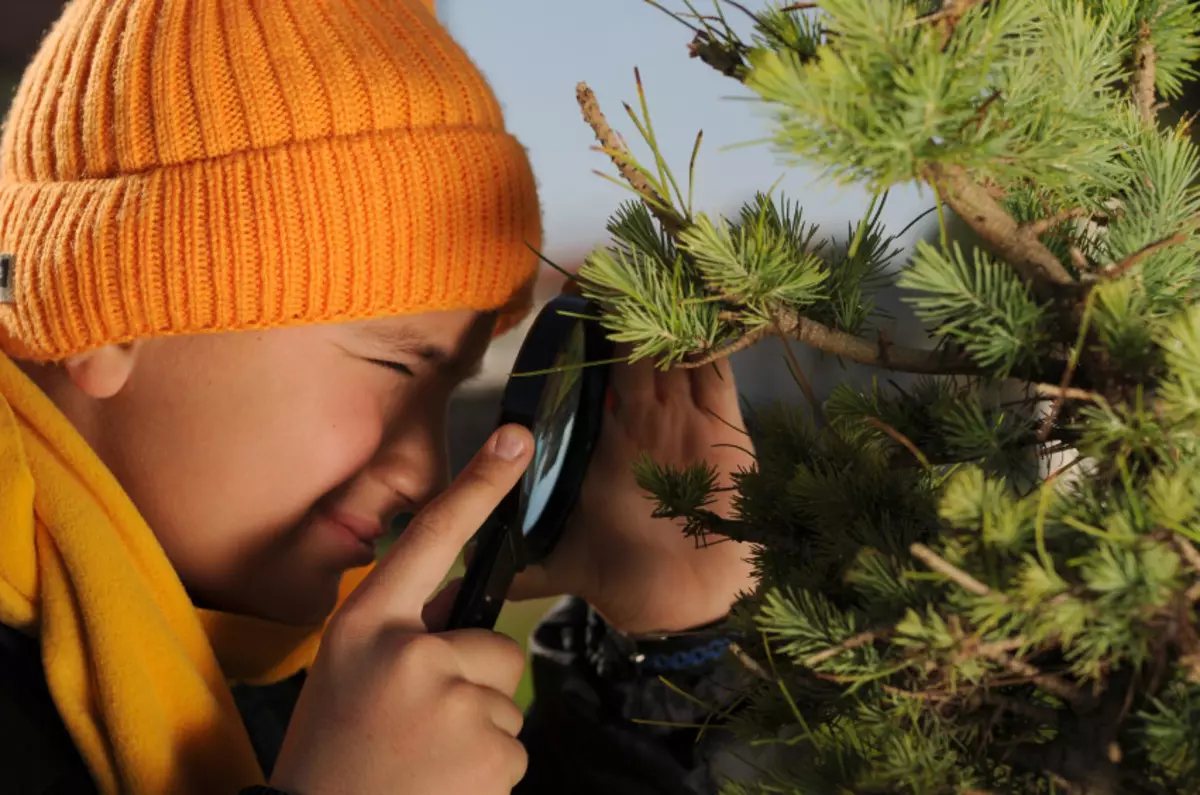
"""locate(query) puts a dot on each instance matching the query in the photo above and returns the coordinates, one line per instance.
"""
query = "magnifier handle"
(487, 580)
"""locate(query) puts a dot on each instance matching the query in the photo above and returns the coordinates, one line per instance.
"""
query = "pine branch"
(1066, 393)
(860, 639)
(1017, 245)
(900, 438)
(848, 346)
(611, 142)
(1041, 227)
(1123, 267)
(1051, 683)
(1144, 75)
(798, 372)
(942, 566)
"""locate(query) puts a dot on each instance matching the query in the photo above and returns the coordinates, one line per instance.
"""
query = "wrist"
(618, 655)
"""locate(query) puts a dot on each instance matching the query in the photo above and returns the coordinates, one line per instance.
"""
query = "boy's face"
(262, 460)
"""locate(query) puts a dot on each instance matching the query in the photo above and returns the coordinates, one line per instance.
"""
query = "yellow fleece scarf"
(138, 673)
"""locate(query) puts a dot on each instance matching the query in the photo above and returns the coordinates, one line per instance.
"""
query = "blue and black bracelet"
(616, 655)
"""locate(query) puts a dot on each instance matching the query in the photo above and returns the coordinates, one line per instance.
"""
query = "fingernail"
(508, 443)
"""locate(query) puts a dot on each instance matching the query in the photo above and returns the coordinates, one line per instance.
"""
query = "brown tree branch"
(849, 346)
(1044, 225)
(611, 141)
(805, 385)
(1051, 683)
(1066, 393)
(741, 344)
(900, 438)
(1124, 265)
(1017, 245)
(1187, 550)
(860, 639)
(1144, 74)
(949, 570)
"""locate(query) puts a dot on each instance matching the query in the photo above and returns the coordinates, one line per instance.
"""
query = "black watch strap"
(617, 656)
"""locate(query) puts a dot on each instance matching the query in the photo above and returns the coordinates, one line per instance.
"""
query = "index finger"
(420, 558)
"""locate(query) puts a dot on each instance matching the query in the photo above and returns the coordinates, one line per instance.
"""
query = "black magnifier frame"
(502, 548)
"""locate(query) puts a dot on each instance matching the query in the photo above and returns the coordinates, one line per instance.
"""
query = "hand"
(390, 708)
(643, 574)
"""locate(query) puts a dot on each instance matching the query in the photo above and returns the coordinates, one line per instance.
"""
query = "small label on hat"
(6, 279)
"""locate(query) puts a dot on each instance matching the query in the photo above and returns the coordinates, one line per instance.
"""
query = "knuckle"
(517, 759)
(502, 758)
(424, 653)
(461, 702)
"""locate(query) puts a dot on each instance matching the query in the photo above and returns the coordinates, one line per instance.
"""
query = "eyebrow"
(389, 339)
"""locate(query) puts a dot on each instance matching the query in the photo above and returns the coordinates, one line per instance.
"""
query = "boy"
(249, 249)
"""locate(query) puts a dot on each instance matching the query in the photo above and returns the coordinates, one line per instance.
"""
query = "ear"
(102, 372)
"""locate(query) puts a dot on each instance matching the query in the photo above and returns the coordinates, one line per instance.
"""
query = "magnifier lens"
(554, 421)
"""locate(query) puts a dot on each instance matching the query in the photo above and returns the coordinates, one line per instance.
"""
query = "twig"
(949, 570)
(1066, 393)
(1044, 225)
(725, 58)
(1079, 260)
(1144, 74)
(948, 17)
(1017, 245)
(1052, 415)
(612, 143)
(1051, 683)
(860, 639)
(901, 438)
(981, 111)
(750, 663)
(1189, 553)
(805, 385)
(1133, 259)
(727, 350)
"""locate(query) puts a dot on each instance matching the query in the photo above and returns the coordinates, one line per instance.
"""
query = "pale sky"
(535, 51)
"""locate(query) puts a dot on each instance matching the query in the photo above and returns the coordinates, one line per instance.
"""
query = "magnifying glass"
(557, 390)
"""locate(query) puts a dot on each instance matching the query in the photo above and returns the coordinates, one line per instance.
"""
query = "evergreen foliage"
(985, 582)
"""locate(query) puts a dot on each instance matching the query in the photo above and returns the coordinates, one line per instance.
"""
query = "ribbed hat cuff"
(271, 238)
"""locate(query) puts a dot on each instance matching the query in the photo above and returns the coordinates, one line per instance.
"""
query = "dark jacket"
(580, 733)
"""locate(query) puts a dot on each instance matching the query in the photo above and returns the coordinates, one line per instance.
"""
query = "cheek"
(230, 457)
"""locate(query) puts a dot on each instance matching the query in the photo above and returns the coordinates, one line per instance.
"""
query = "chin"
(295, 604)
(307, 606)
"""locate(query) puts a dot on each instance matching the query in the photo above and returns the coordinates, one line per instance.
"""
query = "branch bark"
(860, 639)
(1017, 245)
(610, 141)
(849, 346)
(1133, 259)
(944, 567)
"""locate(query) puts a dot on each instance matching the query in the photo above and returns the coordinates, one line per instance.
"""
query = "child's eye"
(395, 366)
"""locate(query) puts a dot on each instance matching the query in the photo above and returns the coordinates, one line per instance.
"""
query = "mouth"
(366, 530)
(361, 535)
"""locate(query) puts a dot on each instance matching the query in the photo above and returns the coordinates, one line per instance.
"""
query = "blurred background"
(534, 52)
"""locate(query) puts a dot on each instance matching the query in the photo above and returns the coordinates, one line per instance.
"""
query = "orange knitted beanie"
(191, 166)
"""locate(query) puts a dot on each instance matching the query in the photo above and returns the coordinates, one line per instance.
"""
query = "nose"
(413, 462)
